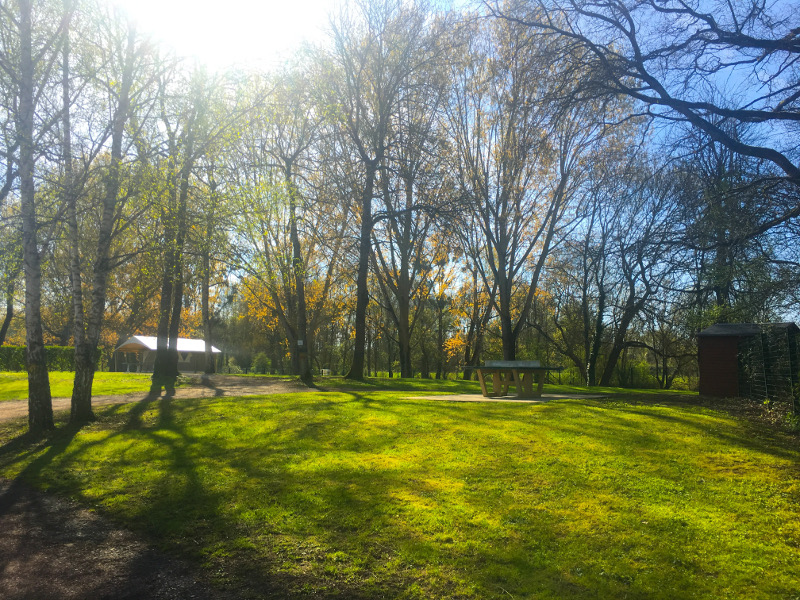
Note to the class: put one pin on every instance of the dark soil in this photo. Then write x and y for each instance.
(51, 548)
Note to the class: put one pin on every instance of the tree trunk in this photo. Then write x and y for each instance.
(631, 310)
(362, 292)
(209, 365)
(9, 310)
(86, 352)
(165, 368)
(40, 405)
(369, 352)
(508, 335)
(425, 364)
(440, 338)
(162, 329)
(389, 365)
(70, 201)
(473, 342)
(208, 356)
(597, 341)
(404, 336)
(301, 348)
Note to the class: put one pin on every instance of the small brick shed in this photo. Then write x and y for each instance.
(754, 360)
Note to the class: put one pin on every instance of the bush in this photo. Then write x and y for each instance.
(12, 358)
(232, 368)
(59, 358)
(261, 363)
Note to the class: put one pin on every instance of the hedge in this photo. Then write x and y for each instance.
(59, 358)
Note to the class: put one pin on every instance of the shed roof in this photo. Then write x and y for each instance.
(743, 329)
(149, 342)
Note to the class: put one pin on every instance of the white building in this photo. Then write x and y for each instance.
(138, 353)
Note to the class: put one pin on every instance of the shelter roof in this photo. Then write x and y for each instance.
(149, 342)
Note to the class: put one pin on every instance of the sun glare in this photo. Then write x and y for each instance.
(241, 33)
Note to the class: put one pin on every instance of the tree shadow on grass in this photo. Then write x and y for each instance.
(24, 446)
(353, 496)
(179, 490)
(735, 432)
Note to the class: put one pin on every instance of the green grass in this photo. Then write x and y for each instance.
(366, 494)
(460, 386)
(14, 385)
(378, 384)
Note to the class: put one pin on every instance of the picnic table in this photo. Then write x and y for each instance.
(503, 374)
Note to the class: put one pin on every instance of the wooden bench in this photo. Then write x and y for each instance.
(518, 373)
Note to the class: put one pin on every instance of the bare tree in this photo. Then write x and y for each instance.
(294, 127)
(195, 123)
(375, 53)
(412, 183)
(520, 162)
(705, 63)
(289, 220)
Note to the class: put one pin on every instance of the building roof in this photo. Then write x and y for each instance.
(743, 329)
(149, 342)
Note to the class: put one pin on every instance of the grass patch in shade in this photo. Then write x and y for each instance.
(369, 495)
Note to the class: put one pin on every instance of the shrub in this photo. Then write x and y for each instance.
(260, 363)
(232, 368)
(12, 358)
(59, 358)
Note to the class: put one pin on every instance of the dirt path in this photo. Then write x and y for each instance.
(217, 386)
(51, 548)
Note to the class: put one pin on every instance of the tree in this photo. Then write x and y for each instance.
(412, 184)
(375, 53)
(212, 249)
(268, 238)
(124, 85)
(668, 339)
(521, 161)
(473, 305)
(708, 64)
(10, 266)
(646, 228)
(578, 288)
(193, 124)
(293, 128)
(31, 47)
(735, 276)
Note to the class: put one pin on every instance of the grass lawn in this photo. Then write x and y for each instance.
(14, 385)
(366, 494)
(460, 386)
